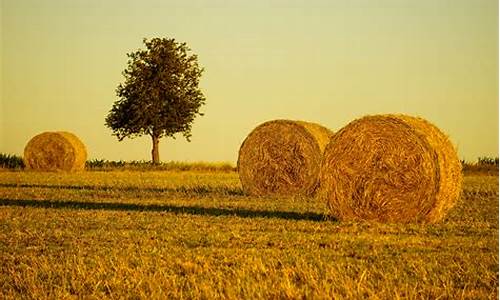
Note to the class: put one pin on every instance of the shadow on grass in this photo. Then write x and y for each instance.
(192, 210)
(199, 190)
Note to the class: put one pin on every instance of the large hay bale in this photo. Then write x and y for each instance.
(282, 157)
(55, 151)
(390, 168)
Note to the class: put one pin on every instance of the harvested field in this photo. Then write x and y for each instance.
(196, 234)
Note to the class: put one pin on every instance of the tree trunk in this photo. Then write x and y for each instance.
(155, 153)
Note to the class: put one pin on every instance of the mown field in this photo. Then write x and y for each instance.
(167, 234)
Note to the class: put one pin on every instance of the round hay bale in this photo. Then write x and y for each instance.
(55, 151)
(390, 168)
(282, 157)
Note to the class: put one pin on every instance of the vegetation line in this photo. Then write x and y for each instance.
(483, 165)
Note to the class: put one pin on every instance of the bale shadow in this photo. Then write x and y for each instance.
(192, 210)
(200, 190)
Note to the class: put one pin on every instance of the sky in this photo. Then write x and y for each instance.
(328, 62)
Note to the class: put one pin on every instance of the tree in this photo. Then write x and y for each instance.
(160, 95)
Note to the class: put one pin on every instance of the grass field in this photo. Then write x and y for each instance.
(152, 234)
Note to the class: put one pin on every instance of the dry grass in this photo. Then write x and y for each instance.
(282, 157)
(192, 235)
(55, 151)
(390, 168)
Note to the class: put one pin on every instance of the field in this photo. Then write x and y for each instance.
(194, 234)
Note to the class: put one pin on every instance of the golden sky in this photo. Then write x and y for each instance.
(325, 61)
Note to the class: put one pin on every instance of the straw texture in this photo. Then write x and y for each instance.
(390, 168)
(55, 151)
(282, 157)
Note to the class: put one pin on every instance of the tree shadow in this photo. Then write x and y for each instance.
(192, 210)
(200, 190)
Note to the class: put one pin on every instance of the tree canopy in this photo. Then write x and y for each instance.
(160, 95)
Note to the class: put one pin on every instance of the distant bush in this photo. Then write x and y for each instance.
(14, 162)
(103, 164)
(106, 165)
(484, 165)
(9, 161)
(488, 161)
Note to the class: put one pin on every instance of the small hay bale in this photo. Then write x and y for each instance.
(55, 151)
(282, 157)
(390, 168)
